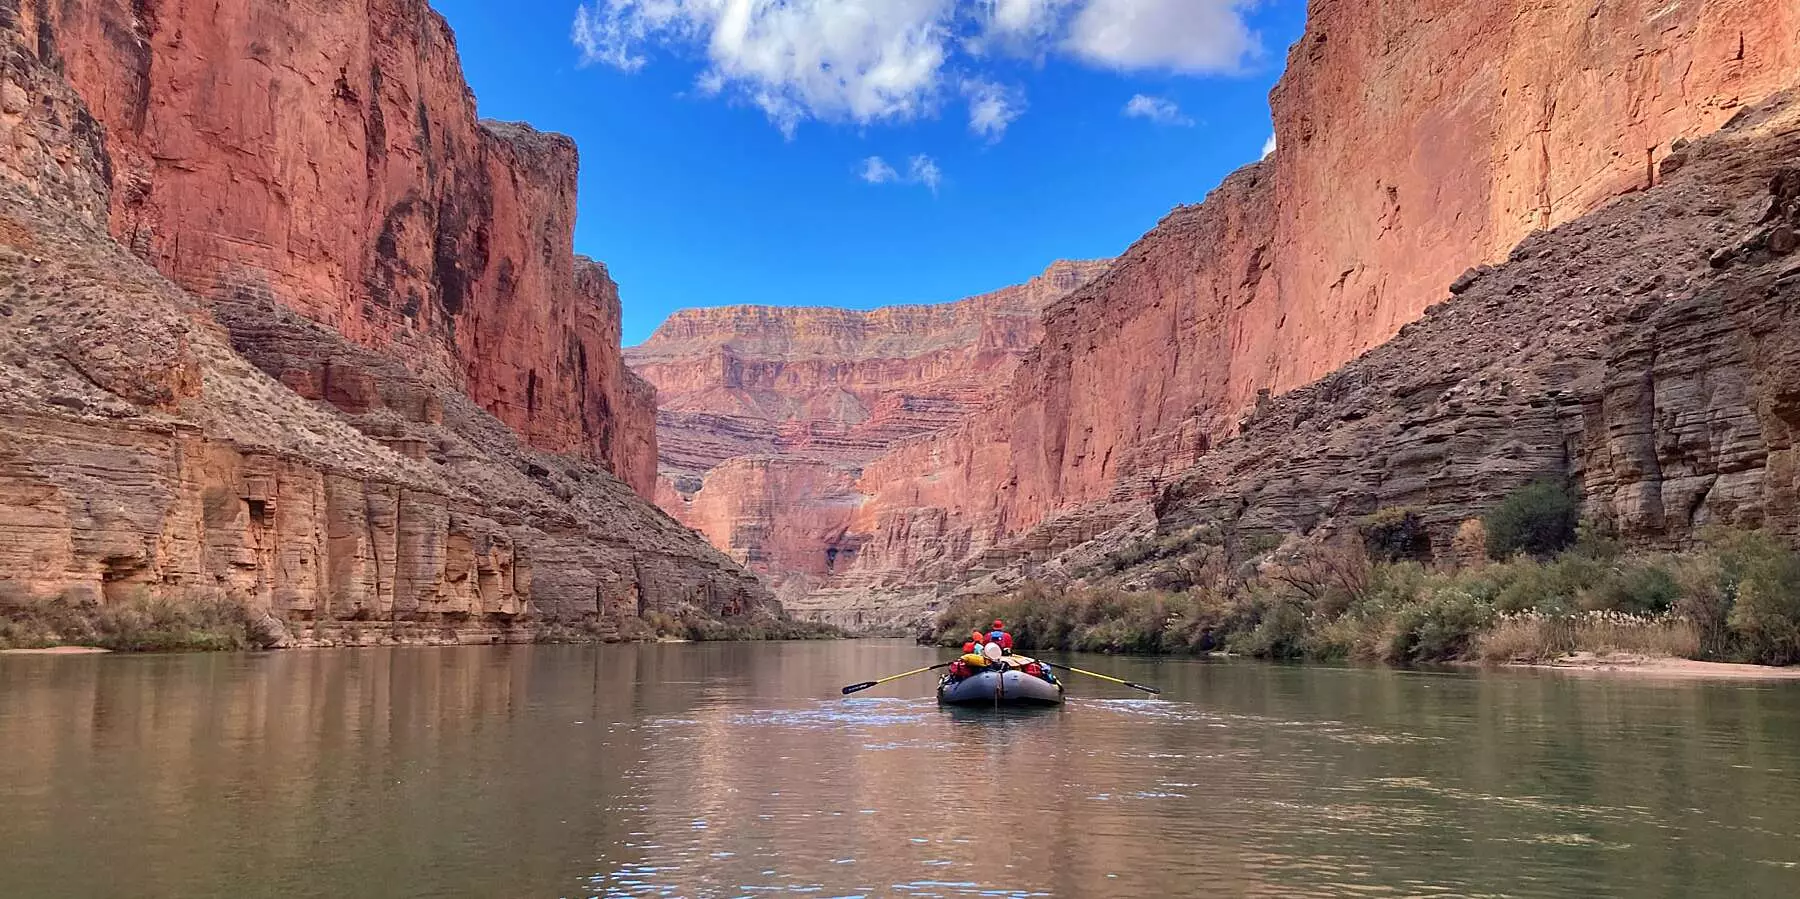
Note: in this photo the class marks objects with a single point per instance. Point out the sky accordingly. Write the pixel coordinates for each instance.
(862, 153)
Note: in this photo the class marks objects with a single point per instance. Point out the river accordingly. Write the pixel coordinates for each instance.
(737, 770)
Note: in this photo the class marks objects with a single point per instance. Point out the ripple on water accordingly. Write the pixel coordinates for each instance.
(834, 715)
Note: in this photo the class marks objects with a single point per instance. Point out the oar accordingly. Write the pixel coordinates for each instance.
(857, 688)
(1115, 680)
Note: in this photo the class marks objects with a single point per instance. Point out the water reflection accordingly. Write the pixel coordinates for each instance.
(736, 770)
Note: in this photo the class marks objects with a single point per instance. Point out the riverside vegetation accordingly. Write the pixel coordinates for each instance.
(1525, 584)
(207, 621)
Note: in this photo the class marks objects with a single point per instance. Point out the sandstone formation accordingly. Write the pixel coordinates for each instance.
(158, 442)
(1416, 140)
(1646, 352)
(769, 414)
(331, 156)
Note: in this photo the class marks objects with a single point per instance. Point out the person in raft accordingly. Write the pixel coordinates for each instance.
(1000, 636)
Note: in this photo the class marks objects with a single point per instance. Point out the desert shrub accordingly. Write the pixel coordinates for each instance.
(1762, 577)
(162, 621)
(1637, 588)
(1391, 535)
(1441, 625)
(1280, 631)
(1705, 603)
(1538, 519)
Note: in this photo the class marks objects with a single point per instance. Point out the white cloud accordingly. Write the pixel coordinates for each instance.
(876, 171)
(923, 170)
(992, 107)
(920, 169)
(1023, 18)
(1268, 146)
(835, 60)
(1156, 109)
(606, 40)
(1192, 36)
(870, 61)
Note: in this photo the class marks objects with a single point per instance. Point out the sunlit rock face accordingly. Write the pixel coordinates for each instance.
(1416, 140)
(769, 415)
(227, 441)
(330, 156)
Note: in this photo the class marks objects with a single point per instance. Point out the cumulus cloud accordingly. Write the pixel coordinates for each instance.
(836, 60)
(992, 107)
(1268, 146)
(1192, 36)
(871, 61)
(1028, 19)
(875, 170)
(1156, 109)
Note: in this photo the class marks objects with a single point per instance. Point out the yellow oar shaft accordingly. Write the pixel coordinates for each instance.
(857, 688)
(1146, 689)
(906, 674)
(1092, 674)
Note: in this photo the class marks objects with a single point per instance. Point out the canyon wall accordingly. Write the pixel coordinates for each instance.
(154, 442)
(1648, 352)
(329, 154)
(1415, 140)
(769, 414)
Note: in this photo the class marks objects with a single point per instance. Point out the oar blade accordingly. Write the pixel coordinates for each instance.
(1147, 689)
(857, 688)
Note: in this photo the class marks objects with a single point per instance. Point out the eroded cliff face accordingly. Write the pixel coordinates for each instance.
(329, 155)
(769, 414)
(152, 442)
(1416, 140)
(1647, 352)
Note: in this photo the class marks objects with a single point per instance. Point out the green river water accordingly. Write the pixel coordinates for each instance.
(737, 770)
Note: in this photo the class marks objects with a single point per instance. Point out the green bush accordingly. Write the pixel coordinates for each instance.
(1393, 535)
(1442, 625)
(1762, 576)
(1635, 588)
(183, 621)
(1539, 519)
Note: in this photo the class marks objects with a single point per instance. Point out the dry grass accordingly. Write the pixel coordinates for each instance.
(1536, 637)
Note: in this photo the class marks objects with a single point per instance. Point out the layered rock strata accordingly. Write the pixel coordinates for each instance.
(1414, 141)
(331, 156)
(155, 443)
(769, 414)
(1645, 353)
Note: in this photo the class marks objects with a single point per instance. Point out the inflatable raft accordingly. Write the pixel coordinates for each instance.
(1009, 687)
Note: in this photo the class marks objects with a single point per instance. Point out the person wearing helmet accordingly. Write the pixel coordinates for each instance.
(1000, 636)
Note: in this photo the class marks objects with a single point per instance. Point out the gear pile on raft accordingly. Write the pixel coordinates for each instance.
(989, 674)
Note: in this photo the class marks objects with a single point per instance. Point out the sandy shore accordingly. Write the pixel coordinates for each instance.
(1645, 666)
(55, 651)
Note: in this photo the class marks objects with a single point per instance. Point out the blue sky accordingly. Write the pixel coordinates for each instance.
(723, 161)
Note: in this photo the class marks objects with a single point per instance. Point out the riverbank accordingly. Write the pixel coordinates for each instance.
(207, 622)
(1662, 667)
(56, 651)
(1735, 600)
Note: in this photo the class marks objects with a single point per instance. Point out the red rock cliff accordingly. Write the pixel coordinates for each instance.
(155, 445)
(330, 155)
(1416, 139)
(769, 414)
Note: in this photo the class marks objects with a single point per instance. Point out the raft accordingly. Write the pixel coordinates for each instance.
(1012, 687)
